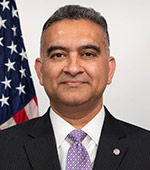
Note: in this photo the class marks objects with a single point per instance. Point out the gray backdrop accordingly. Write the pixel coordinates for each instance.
(129, 27)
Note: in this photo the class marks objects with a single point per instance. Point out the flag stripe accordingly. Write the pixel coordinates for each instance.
(8, 123)
(35, 99)
(31, 107)
(20, 116)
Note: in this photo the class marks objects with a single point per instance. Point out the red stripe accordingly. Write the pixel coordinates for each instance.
(35, 99)
(20, 116)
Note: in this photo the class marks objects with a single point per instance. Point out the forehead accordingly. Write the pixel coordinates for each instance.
(73, 31)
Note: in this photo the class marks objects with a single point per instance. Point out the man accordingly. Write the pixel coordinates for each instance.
(75, 67)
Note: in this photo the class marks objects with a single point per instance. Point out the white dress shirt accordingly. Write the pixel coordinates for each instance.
(62, 128)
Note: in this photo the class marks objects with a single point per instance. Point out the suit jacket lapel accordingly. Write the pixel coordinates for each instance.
(41, 149)
(112, 145)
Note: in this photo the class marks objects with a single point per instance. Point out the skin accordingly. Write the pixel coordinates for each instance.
(74, 69)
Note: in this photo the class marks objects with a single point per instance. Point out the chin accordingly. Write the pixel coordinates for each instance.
(74, 101)
(71, 99)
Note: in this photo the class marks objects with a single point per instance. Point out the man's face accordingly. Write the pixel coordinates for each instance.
(74, 68)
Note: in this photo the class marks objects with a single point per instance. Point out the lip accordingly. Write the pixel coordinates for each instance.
(73, 83)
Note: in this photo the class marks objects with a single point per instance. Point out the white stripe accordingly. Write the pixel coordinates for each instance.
(31, 109)
(8, 123)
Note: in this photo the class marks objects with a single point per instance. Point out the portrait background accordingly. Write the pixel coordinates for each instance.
(129, 27)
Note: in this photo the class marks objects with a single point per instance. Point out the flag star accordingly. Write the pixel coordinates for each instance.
(10, 65)
(1, 41)
(4, 100)
(14, 30)
(23, 54)
(22, 71)
(5, 4)
(2, 23)
(7, 83)
(14, 12)
(21, 89)
(12, 47)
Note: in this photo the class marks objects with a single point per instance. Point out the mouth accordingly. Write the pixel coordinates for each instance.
(73, 83)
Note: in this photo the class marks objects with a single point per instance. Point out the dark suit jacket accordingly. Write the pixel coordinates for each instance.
(31, 146)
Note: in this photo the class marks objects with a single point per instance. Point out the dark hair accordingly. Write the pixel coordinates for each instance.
(75, 12)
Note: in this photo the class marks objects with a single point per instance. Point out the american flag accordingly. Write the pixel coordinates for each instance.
(18, 100)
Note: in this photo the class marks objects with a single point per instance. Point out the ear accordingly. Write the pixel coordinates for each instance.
(111, 68)
(38, 69)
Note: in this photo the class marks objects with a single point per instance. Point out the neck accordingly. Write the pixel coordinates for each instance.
(78, 116)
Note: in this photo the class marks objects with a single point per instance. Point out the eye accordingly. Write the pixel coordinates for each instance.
(57, 55)
(88, 54)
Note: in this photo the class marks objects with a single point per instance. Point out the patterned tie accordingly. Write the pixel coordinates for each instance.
(78, 158)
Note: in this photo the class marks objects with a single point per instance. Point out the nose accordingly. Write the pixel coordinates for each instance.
(73, 66)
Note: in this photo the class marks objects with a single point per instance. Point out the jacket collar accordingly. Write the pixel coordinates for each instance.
(41, 149)
(112, 146)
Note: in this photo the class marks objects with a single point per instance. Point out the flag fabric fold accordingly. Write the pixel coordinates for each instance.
(18, 101)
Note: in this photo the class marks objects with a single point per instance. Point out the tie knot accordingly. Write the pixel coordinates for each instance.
(77, 135)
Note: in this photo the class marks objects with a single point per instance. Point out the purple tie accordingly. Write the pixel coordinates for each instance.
(78, 158)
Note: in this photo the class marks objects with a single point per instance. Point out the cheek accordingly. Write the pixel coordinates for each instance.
(98, 73)
(96, 69)
(50, 73)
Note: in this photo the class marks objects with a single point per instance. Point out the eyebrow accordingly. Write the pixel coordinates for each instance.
(90, 46)
(53, 48)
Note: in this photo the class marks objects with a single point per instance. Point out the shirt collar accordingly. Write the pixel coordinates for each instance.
(62, 128)
(94, 127)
